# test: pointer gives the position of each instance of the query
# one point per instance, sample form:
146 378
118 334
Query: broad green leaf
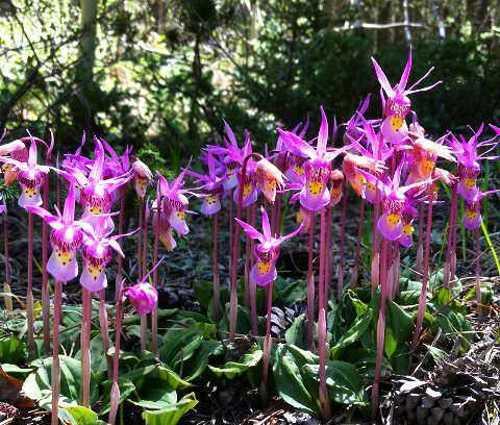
40 380
199 362
80 415
444 296
290 291
390 343
12 350
156 394
15 370
127 388
343 380
179 344
172 414
355 332
295 334
400 322
289 381
233 369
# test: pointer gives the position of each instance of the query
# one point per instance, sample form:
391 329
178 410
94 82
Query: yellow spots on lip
270 183
370 187
212 199
470 214
263 267
299 170
426 167
396 122
247 189
94 270
30 192
393 220
95 210
469 183
408 229
181 215
64 257
315 187
7 167
299 216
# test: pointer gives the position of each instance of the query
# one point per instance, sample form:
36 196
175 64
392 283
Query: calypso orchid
266 252
398 105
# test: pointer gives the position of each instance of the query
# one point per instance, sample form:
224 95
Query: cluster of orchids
390 163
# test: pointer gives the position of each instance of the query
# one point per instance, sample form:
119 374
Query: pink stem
85 346
357 252
248 257
8 304
477 246
380 326
29 292
340 281
253 288
329 251
45 276
450 260
422 302
215 267
121 223
420 243
324 400
375 266
115 389
267 343
143 318
56 374
310 284
154 314
103 323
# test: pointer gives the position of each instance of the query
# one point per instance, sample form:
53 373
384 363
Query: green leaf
343 380
390 343
172 414
232 369
155 394
444 296
12 350
179 344
289 381
354 333
38 383
295 334
15 370
400 322
289 292
127 388
80 415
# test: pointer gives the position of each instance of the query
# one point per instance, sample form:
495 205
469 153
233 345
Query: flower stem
357 252
310 285
477 249
375 265
252 287
343 216
85 346
215 267
420 243
380 326
267 344
450 260
422 302
324 400
45 276
56 375
115 389
233 298
103 323
7 286
154 313
29 292
121 223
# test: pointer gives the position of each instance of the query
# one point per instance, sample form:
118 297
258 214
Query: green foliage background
166 73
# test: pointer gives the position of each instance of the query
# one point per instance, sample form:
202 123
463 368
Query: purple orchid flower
472 213
174 205
96 195
97 253
469 167
266 252
398 104
66 237
314 194
144 296
30 176
142 177
211 185
394 200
